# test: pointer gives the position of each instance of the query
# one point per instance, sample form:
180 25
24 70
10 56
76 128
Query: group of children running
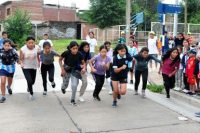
108 63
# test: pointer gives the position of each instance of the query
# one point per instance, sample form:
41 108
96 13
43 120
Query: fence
113 33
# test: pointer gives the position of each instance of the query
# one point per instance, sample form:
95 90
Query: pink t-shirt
167 68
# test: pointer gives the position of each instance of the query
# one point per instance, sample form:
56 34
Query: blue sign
168 8
160 17
140 18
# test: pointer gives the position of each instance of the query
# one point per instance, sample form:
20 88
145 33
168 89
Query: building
58 21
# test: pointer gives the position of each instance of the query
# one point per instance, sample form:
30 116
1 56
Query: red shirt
167 68
190 67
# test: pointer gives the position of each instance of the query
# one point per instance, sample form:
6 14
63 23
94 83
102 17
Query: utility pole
175 21
128 19
185 27
58 10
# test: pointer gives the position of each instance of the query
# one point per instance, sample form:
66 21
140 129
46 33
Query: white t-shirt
181 66
152 46
30 57
42 42
93 43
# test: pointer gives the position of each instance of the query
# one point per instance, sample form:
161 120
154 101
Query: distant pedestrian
93 43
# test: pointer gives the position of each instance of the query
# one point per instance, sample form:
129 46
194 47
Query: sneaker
118 96
197 114
2 100
136 92
114 105
53 84
177 88
73 103
63 91
98 98
131 81
185 91
9 90
168 96
45 93
31 97
81 99
28 90
110 92
143 94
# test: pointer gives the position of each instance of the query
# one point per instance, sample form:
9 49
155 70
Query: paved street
54 114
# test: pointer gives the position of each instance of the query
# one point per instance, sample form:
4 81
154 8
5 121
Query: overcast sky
82 4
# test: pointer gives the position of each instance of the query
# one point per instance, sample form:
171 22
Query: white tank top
30 57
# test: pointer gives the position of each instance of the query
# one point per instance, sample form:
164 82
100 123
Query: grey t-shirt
48 59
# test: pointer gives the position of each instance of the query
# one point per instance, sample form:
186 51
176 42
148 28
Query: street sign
160 17
168 8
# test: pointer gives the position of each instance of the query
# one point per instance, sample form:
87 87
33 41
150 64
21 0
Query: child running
99 64
120 72
47 59
72 68
30 62
132 50
170 65
8 57
107 44
85 51
141 68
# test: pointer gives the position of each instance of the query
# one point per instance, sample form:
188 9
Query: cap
152 32
192 51
122 32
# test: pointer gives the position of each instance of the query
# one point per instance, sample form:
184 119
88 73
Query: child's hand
83 71
93 70
124 67
63 72
22 65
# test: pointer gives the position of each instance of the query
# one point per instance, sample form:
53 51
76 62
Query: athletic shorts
6 74
121 81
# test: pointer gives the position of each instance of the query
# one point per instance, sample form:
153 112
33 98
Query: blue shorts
6 74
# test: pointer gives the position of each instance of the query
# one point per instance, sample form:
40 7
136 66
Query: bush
18 26
155 88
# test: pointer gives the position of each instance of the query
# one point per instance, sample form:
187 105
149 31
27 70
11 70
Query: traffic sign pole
163 30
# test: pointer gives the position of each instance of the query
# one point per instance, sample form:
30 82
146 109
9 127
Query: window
8 12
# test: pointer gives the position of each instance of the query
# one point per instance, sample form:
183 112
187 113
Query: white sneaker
143 94
136 92
45 93
81 99
185 91
177 88
31 97
110 92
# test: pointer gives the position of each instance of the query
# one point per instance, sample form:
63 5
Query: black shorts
121 80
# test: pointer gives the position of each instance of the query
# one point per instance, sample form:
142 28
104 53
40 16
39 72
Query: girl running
120 71
141 68
72 67
85 51
170 65
99 64
47 59
30 62
8 57
107 44
132 50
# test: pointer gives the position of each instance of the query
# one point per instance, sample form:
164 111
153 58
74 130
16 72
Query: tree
18 26
105 13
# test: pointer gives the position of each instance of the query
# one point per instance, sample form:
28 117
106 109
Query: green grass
61 44
155 88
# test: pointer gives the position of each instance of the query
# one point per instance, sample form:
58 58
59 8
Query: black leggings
30 75
169 83
186 84
99 80
144 79
50 70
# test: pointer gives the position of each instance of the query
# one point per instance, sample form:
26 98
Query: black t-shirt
119 62
179 42
71 60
